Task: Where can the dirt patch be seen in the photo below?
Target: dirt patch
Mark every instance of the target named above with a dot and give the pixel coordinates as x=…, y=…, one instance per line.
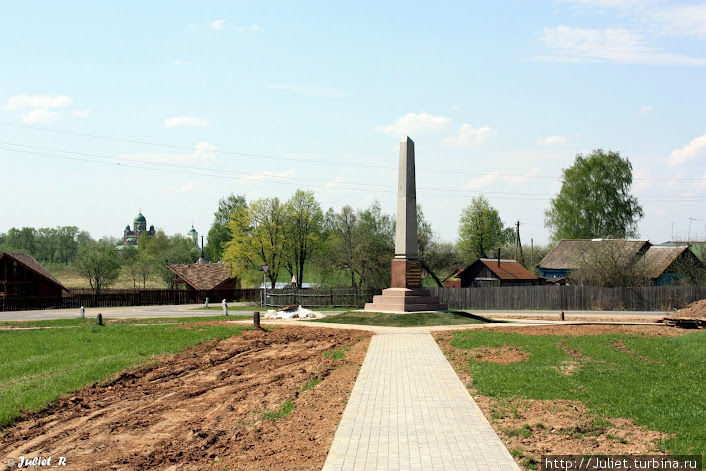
x=620, y=346
x=247, y=402
x=504, y=355
x=695, y=310
x=578, y=330
x=531, y=428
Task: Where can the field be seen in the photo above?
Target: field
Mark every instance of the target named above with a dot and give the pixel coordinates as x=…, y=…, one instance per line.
x=257, y=400
x=579, y=389
x=67, y=275
x=38, y=365
x=412, y=319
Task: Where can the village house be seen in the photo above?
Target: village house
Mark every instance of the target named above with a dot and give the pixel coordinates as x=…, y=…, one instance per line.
x=22, y=278
x=491, y=272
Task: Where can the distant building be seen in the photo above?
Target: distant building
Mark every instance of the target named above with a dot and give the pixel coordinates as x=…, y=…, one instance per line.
x=139, y=227
x=211, y=279
x=194, y=236
x=664, y=264
x=491, y=272
x=21, y=276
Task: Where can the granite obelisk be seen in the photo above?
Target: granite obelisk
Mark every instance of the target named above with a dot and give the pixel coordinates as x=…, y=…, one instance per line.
x=406, y=293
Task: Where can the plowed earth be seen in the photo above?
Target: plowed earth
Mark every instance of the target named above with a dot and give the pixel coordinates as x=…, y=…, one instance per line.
x=221, y=405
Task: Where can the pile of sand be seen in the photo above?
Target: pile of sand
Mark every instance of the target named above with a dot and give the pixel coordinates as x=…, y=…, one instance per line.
x=695, y=310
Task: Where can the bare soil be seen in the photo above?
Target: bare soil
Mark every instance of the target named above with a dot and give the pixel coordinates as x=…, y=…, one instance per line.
x=695, y=310
x=504, y=355
x=530, y=428
x=220, y=405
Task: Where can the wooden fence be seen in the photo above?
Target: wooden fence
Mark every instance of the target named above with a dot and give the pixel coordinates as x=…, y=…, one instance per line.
x=571, y=298
x=318, y=297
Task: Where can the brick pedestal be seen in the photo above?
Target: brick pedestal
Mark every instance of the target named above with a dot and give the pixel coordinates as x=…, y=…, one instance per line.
x=406, y=294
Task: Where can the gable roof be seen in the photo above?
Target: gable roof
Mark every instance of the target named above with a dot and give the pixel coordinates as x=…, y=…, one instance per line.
x=30, y=263
x=569, y=253
x=658, y=258
x=202, y=277
x=507, y=269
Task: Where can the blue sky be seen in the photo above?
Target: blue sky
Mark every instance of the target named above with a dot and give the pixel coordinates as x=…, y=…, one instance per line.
x=498, y=97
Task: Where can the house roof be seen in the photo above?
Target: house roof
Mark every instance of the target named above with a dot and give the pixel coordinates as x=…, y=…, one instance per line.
x=202, y=277
x=30, y=263
x=507, y=269
x=658, y=258
x=569, y=253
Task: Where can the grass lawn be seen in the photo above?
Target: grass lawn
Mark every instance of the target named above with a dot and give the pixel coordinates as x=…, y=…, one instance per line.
x=664, y=390
x=134, y=321
x=37, y=366
x=410, y=319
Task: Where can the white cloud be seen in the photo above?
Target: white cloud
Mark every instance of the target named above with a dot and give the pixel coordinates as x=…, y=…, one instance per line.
x=616, y=45
x=318, y=92
x=335, y=182
x=482, y=181
x=24, y=102
x=551, y=141
x=413, y=124
x=186, y=187
x=645, y=109
x=455, y=107
x=204, y=154
x=468, y=136
x=82, y=113
x=250, y=29
x=695, y=149
x=519, y=179
x=185, y=121
x=267, y=175
x=40, y=115
x=218, y=24
x=181, y=63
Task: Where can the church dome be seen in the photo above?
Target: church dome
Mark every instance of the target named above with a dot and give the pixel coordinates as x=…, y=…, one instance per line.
x=192, y=231
x=140, y=218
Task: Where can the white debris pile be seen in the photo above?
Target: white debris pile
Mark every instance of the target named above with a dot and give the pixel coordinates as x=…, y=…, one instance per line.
x=293, y=312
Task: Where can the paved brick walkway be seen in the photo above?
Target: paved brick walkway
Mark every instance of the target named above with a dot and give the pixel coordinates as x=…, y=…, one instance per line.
x=409, y=411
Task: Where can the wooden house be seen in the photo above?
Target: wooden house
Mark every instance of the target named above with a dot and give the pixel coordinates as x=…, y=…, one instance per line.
x=21, y=276
x=213, y=280
x=491, y=272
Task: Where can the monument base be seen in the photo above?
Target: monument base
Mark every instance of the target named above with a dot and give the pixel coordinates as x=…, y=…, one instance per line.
x=405, y=300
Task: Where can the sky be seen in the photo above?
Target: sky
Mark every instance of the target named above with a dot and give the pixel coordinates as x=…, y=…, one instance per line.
x=109, y=108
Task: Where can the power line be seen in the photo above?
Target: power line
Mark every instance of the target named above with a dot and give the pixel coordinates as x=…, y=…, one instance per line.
x=312, y=161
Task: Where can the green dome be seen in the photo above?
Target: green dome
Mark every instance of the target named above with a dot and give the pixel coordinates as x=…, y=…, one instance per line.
x=140, y=218
x=192, y=231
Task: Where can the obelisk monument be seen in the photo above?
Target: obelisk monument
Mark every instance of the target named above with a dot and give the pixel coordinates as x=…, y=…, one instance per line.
x=406, y=293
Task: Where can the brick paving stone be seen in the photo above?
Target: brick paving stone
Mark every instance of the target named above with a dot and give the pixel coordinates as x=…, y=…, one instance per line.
x=409, y=411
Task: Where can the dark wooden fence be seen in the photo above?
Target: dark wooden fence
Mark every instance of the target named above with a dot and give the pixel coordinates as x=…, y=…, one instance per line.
x=318, y=297
x=571, y=298
x=115, y=298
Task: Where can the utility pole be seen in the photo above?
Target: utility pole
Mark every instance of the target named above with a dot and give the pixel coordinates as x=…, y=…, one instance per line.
x=518, y=243
x=532, y=251
x=688, y=236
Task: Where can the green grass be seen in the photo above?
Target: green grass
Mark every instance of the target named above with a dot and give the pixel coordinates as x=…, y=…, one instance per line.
x=283, y=411
x=410, y=319
x=311, y=384
x=669, y=396
x=37, y=366
x=107, y=320
x=337, y=353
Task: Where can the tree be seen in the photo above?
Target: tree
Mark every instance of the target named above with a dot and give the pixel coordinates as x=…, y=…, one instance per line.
x=606, y=263
x=303, y=228
x=595, y=200
x=480, y=230
x=219, y=233
x=257, y=239
x=99, y=264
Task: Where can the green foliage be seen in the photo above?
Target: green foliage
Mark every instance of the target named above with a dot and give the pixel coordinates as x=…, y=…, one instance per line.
x=410, y=319
x=37, y=366
x=658, y=386
x=46, y=244
x=480, y=230
x=595, y=199
x=304, y=230
x=258, y=238
x=284, y=410
x=311, y=384
x=219, y=233
x=361, y=244
x=337, y=353
x=99, y=264
x=159, y=250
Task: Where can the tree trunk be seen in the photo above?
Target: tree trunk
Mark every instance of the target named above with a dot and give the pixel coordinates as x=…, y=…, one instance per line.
x=433, y=275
